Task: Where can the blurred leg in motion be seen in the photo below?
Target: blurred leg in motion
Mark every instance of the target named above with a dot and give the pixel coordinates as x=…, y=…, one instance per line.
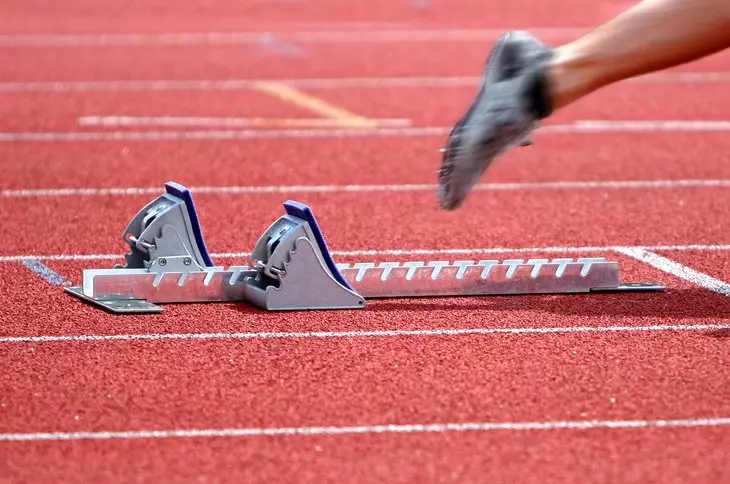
x=526, y=81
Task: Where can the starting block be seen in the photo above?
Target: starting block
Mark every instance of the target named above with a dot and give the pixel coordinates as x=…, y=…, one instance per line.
x=291, y=268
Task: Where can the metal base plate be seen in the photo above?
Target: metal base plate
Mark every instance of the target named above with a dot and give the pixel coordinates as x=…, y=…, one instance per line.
x=633, y=287
x=117, y=303
x=622, y=288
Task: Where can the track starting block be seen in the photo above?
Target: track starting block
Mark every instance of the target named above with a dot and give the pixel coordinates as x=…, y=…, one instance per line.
x=291, y=268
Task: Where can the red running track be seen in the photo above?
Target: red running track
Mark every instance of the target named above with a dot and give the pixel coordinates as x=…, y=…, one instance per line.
x=77, y=110
x=363, y=161
x=99, y=17
x=261, y=60
x=82, y=389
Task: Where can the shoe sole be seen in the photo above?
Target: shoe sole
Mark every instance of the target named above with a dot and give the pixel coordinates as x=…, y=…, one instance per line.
x=471, y=148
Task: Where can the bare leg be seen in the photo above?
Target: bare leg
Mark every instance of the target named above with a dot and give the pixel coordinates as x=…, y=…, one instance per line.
x=652, y=35
x=525, y=81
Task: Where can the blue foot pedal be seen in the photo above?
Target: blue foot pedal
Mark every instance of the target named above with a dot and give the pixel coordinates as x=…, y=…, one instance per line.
x=181, y=192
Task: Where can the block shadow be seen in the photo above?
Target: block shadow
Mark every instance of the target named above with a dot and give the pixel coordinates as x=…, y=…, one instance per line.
x=672, y=303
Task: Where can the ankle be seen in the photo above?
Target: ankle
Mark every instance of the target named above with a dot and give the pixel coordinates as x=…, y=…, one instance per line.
x=571, y=76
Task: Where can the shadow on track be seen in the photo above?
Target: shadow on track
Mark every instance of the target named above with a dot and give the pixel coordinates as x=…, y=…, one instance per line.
x=673, y=303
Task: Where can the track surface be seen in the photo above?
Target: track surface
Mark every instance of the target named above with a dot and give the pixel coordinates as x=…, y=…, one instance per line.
x=611, y=388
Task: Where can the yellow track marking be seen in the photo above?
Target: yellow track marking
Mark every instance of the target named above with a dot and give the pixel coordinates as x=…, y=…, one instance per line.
x=316, y=105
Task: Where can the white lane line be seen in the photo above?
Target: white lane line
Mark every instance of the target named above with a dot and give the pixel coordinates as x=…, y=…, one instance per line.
x=244, y=84
x=585, y=126
x=65, y=257
x=315, y=83
x=44, y=272
x=293, y=37
x=225, y=122
x=404, y=252
x=359, y=334
x=369, y=429
x=642, y=125
x=408, y=187
x=221, y=134
x=676, y=269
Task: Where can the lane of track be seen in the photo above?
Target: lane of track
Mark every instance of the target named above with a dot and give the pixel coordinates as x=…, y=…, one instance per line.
x=683, y=304
x=83, y=16
x=257, y=61
x=622, y=102
x=349, y=382
x=61, y=111
x=237, y=61
x=673, y=455
x=394, y=220
x=363, y=161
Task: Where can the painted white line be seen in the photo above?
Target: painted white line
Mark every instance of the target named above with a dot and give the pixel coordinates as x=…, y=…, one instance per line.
x=316, y=83
x=220, y=122
x=245, y=84
x=359, y=334
x=291, y=37
x=676, y=269
x=84, y=192
x=682, y=77
x=369, y=429
x=507, y=250
x=64, y=257
x=403, y=252
x=663, y=125
x=412, y=187
x=43, y=271
x=586, y=126
x=221, y=134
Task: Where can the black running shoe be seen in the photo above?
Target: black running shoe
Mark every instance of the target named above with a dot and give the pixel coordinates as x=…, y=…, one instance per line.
x=513, y=98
